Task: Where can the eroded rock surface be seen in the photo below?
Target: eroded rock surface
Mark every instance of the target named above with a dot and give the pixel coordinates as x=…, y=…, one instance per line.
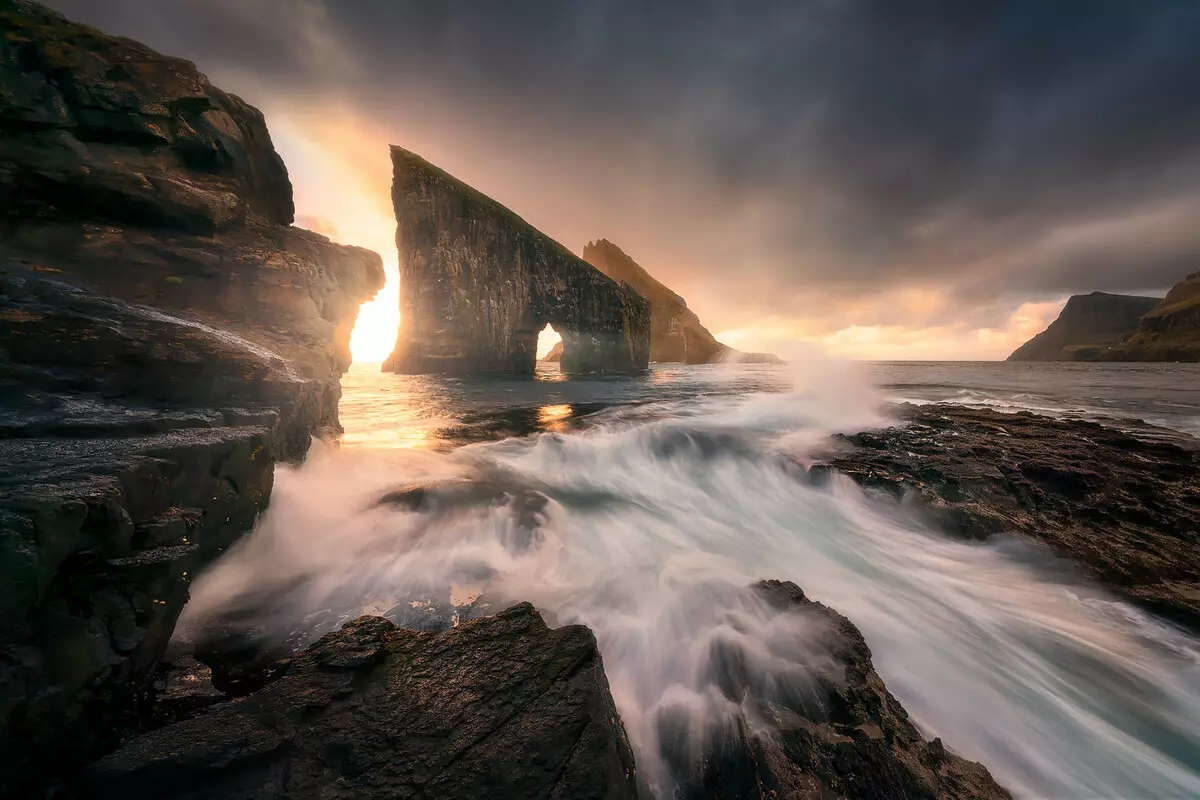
x=165, y=337
x=499, y=707
x=478, y=284
x=1087, y=329
x=838, y=732
x=1125, y=506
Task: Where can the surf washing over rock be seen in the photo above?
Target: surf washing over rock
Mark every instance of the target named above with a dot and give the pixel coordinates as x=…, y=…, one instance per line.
x=651, y=524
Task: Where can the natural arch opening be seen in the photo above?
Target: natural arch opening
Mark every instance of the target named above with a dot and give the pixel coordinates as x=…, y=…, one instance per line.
x=549, y=344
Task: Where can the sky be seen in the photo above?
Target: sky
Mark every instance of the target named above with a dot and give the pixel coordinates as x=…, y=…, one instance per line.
x=913, y=180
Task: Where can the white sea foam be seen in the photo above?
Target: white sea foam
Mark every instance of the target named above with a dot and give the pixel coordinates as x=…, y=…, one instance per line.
x=660, y=517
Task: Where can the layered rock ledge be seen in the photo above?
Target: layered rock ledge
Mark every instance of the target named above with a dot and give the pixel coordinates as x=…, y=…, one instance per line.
x=1120, y=500
x=478, y=284
x=165, y=337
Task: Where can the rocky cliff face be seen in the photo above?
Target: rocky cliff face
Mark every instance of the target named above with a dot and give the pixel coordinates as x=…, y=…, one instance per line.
x=165, y=337
x=1087, y=329
x=1170, y=331
x=478, y=284
x=675, y=331
x=99, y=127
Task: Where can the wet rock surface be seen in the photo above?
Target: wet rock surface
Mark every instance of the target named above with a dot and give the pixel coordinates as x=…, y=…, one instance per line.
x=454, y=703
x=165, y=337
x=837, y=733
x=1122, y=500
x=497, y=707
x=478, y=284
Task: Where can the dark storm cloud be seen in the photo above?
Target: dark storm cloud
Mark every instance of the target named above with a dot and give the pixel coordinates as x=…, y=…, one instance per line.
x=779, y=151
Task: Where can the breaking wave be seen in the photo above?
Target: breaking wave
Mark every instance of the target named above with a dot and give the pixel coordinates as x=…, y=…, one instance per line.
x=649, y=525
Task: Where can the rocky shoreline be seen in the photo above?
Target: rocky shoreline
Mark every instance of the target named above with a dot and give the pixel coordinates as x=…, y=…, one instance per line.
x=168, y=337
x=1120, y=500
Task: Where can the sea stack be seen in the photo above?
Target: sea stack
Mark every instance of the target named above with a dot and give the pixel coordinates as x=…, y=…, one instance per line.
x=1087, y=329
x=675, y=331
x=478, y=284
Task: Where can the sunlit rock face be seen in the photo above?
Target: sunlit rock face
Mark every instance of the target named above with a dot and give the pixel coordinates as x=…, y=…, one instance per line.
x=675, y=331
x=478, y=284
x=1170, y=331
x=165, y=337
x=1087, y=329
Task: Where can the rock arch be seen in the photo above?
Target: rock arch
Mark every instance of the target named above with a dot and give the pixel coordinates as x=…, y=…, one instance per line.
x=478, y=284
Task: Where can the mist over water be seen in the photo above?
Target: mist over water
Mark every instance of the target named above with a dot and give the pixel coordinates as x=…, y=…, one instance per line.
x=648, y=519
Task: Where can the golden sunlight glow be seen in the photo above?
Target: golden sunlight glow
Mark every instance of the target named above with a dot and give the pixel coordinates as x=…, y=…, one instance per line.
x=341, y=173
x=554, y=418
x=546, y=341
x=340, y=168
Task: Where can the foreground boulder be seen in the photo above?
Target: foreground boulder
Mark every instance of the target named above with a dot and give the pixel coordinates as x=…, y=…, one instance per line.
x=1087, y=328
x=1125, y=506
x=502, y=706
x=499, y=707
x=165, y=337
x=833, y=730
x=478, y=284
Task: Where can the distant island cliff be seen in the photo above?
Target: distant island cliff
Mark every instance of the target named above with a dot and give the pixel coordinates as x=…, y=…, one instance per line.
x=1088, y=326
x=1170, y=331
x=1114, y=327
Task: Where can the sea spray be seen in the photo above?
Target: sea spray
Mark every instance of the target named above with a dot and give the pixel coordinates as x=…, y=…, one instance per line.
x=649, y=525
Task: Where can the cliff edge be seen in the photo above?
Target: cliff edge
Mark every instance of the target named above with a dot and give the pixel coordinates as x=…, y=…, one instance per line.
x=1087, y=329
x=1170, y=331
x=165, y=337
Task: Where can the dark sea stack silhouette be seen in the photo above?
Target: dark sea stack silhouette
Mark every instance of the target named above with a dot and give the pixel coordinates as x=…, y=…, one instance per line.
x=165, y=337
x=1121, y=502
x=1088, y=328
x=382, y=712
x=478, y=284
x=1170, y=331
x=675, y=331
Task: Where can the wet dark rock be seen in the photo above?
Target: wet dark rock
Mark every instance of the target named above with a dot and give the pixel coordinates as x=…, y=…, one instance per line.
x=1122, y=500
x=479, y=284
x=182, y=689
x=497, y=707
x=844, y=735
x=165, y=338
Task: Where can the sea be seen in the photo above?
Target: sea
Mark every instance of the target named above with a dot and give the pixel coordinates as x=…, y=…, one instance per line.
x=660, y=498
